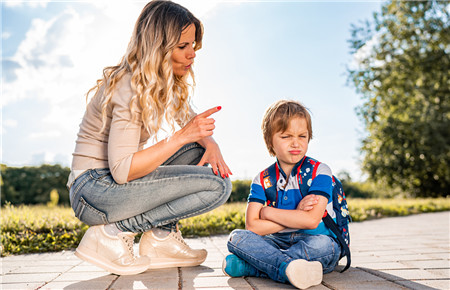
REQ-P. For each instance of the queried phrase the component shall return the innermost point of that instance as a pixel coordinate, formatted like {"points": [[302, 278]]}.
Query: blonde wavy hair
{"points": [[159, 93]]}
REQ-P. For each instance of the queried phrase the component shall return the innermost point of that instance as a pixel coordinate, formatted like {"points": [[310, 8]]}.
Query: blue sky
{"points": [[254, 53]]}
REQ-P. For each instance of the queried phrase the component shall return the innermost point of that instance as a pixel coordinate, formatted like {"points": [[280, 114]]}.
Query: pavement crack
{"points": [[249, 283], [180, 279], [112, 282]]}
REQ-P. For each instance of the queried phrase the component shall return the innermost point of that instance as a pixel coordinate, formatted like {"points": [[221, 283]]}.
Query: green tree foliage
{"points": [[33, 185], [401, 69]]}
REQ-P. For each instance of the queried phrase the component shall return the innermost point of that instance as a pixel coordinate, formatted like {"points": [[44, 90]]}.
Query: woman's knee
{"points": [[218, 192], [189, 154]]}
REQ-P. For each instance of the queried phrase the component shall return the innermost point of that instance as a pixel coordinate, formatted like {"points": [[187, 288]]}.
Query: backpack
{"points": [[306, 172]]}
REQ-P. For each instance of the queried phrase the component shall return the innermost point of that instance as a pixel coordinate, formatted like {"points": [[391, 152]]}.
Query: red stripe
{"points": [[277, 173], [261, 177], [315, 169]]}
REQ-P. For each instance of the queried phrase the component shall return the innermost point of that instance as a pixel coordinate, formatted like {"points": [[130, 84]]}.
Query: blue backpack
{"points": [[306, 172]]}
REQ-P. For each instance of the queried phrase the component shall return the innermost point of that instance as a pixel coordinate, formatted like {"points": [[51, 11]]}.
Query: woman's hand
{"points": [[199, 127], [213, 156], [308, 202]]}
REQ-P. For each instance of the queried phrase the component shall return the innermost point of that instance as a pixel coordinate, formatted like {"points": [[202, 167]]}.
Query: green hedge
{"points": [[34, 229]]}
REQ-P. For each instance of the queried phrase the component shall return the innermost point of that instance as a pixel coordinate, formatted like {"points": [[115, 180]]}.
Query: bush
{"points": [[35, 229], [33, 185], [240, 190]]}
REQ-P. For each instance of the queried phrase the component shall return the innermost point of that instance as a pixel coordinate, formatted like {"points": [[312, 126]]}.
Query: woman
{"points": [[121, 189]]}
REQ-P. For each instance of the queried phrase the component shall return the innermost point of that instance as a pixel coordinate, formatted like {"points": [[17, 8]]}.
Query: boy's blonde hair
{"points": [[277, 118]]}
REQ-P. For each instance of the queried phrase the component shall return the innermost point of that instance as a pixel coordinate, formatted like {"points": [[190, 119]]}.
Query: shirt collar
{"points": [[294, 169]]}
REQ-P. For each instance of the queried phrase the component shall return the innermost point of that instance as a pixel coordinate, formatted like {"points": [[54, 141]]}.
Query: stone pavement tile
{"points": [[37, 262], [429, 250], [200, 271], [428, 264], [426, 284], [352, 274], [161, 273], [268, 284], [215, 282], [356, 259], [21, 286], [370, 285], [389, 253], [414, 257], [439, 255], [91, 284], [86, 267], [30, 278], [40, 269], [404, 274], [215, 264], [83, 276], [443, 273], [381, 265], [144, 282]]}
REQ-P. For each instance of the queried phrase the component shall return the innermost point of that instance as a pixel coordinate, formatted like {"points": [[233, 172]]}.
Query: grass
{"points": [[33, 229]]}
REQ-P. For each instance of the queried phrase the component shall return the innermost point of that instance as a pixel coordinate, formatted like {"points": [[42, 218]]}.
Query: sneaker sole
{"points": [[92, 257], [160, 263], [303, 274], [224, 264]]}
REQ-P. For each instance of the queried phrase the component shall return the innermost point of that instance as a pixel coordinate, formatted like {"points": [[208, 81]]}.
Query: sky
{"points": [[254, 53]]}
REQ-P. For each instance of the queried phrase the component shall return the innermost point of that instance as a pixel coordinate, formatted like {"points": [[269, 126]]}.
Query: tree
{"points": [[33, 185], [401, 69]]}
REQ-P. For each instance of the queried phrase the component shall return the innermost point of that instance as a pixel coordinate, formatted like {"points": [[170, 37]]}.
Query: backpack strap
{"points": [[334, 228], [269, 179], [330, 223]]}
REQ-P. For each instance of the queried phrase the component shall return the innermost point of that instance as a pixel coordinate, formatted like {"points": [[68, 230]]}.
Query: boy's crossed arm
{"points": [[264, 220]]}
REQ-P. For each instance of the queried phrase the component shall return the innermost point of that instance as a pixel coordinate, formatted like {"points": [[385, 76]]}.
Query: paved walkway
{"points": [[393, 253]]}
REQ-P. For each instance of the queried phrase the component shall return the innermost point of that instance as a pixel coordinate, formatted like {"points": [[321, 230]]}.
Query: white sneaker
{"points": [[171, 251], [303, 274], [112, 253]]}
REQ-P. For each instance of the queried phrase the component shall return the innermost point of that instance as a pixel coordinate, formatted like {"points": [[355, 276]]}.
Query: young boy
{"points": [[285, 238]]}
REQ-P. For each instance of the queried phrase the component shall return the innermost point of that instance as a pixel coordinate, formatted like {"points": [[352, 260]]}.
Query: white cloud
{"points": [[6, 35], [45, 135], [8, 123], [31, 3]]}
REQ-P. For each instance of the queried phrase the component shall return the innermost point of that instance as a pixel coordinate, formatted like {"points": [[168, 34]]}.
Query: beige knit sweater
{"points": [[113, 147]]}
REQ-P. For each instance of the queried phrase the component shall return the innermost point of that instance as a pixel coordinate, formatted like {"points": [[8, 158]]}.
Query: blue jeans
{"points": [[176, 190], [270, 254]]}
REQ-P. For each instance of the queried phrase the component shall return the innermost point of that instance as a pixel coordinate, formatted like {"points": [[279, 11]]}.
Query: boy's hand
{"points": [[308, 202]]}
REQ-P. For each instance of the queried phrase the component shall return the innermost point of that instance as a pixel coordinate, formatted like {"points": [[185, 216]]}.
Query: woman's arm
{"points": [[259, 226], [296, 218], [147, 160]]}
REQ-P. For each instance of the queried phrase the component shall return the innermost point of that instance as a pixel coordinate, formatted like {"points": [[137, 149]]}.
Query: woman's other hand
{"points": [[214, 157]]}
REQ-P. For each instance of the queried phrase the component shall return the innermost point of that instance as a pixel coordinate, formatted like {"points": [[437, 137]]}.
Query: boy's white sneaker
{"points": [[304, 274], [111, 253], [171, 251]]}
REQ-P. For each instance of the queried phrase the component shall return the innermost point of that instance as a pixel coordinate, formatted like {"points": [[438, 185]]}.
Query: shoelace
{"points": [[129, 241], [178, 236]]}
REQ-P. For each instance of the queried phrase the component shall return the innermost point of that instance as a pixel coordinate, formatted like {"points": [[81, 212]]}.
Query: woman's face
{"points": [[183, 54]]}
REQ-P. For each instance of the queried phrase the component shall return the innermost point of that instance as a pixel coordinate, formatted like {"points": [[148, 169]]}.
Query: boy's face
{"points": [[291, 145]]}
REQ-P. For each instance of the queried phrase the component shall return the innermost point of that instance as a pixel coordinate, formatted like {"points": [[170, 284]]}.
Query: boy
{"points": [[286, 240]]}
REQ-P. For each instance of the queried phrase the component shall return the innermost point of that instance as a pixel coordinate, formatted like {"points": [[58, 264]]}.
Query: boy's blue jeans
{"points": [[176, 190], [270, 254]]}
